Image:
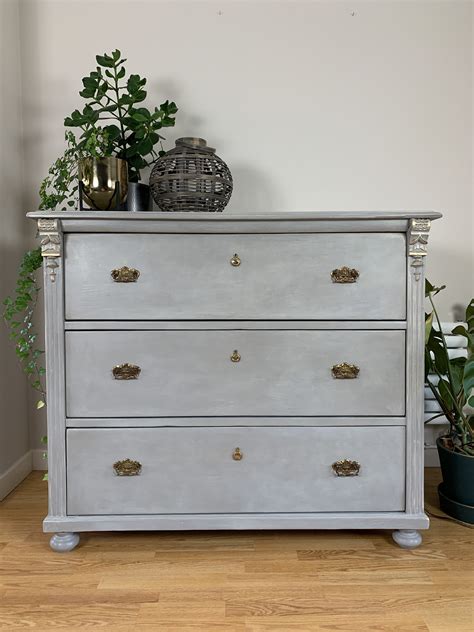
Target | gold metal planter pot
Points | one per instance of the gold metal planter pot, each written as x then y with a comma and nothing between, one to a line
103,182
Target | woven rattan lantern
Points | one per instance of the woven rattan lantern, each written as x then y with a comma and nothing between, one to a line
191,177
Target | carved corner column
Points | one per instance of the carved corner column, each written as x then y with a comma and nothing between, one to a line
418,234
50,234
50,242
417,240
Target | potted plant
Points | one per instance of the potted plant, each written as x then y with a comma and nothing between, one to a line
133,134
59,189
453,388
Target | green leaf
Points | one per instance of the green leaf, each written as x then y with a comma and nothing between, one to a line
446,394
167,121
105,61
134,83
144,111
430,289
428,361
145,146
131,151
140,96
40,404
457,373
439,355
113,131
139,117
468,381
91,82
470,315
461,330
125,99
45,476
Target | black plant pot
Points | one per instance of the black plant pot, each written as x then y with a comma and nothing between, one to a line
456,492
139,198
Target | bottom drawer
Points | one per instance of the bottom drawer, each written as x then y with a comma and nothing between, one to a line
234,470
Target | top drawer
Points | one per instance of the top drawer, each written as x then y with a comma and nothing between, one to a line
273,276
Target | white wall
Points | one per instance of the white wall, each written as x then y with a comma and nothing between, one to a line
14,444
314,105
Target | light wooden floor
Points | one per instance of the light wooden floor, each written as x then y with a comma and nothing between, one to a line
242,581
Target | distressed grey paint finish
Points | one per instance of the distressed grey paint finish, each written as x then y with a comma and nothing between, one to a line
241,325
280,277
191,470
264,223
218,422
171,522
190,373
409,227
416,246
53,284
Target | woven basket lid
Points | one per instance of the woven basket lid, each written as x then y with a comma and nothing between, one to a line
192,142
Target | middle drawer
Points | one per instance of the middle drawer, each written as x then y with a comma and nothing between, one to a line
234,373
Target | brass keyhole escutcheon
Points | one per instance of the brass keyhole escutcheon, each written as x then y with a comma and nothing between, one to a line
127,467
345,371
237,454
345,275
125,275
235,357
346,467
235,261
126,371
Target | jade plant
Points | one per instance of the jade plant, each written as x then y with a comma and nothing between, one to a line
454,384
112,96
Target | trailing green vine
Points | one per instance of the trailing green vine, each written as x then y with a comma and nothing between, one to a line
18,316
59,190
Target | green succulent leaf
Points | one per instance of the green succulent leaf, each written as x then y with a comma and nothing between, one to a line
105,61
139,117
145,146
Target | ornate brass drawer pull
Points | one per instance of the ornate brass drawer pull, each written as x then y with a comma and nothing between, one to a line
346,468
344,275
235,357
126,371
235,261
345,371
237,454
125,275
127,467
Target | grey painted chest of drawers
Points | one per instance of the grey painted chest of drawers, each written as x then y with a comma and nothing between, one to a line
234,371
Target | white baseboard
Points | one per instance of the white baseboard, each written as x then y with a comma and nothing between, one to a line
39,462
15,474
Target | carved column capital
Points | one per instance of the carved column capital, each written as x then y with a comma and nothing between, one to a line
418,233
49,232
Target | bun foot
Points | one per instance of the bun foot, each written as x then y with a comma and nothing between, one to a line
64,542
407,538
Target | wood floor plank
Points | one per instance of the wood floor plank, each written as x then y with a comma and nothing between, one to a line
366,623
285,581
